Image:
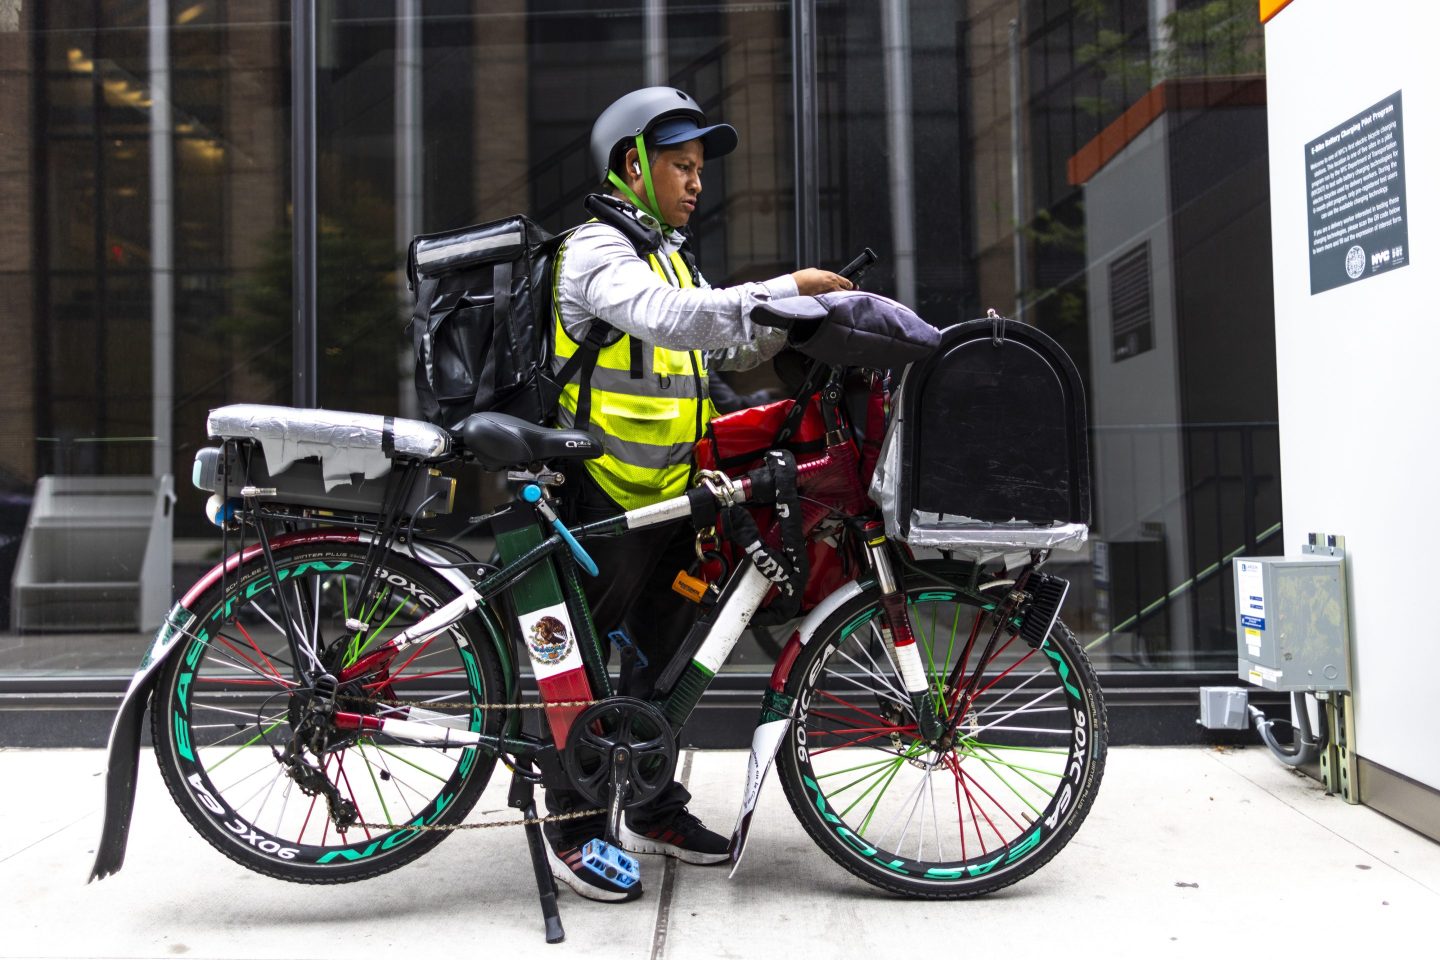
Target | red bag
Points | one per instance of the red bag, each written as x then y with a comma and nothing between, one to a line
738,440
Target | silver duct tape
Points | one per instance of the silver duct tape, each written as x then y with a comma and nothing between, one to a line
346,443
976,540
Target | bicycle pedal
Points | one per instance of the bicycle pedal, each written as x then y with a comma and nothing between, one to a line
1047,594
611,862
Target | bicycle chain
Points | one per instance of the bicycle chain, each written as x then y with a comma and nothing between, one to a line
472,705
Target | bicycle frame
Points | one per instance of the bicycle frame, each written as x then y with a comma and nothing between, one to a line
553,619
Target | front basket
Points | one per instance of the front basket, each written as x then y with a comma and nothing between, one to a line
986,453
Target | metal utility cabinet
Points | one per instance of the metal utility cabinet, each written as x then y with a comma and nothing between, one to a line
1292,622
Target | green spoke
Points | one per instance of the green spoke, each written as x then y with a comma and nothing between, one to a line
375,633
1018,768
370,768
889,764
247,743
1054,751
989,765
381,629
884,785
356,647
929,642
865,824
954,628
411,763
859,766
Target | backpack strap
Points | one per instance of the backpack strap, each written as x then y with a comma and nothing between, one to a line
637,358
419,333
503,279
583,361
581,365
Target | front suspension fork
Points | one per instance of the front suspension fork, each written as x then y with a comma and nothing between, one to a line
899,638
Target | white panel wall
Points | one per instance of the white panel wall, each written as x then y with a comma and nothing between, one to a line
1359,366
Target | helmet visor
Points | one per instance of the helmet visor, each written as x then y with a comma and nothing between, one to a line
718,139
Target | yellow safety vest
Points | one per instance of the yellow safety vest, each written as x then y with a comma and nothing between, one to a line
648,405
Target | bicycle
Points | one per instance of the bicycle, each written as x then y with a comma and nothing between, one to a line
330,700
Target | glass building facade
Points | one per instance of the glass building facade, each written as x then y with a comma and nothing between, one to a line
1094,167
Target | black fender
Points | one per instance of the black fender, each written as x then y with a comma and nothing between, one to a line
124,748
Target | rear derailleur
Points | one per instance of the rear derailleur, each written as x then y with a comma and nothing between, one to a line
313,731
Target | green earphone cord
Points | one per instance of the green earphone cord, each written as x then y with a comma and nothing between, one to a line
653,207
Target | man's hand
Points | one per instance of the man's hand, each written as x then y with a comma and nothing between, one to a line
812,281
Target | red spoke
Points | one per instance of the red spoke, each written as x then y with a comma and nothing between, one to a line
256,647
954,768
422,676
848,743
423,647
884,724
1005,673
997,804
846,703
969,802
303,826
325,834
971,701
241,654
340,769
822,733
965,660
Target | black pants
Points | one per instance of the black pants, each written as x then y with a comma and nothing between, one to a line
633,592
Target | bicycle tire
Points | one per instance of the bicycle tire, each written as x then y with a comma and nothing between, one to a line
222,703
1018,783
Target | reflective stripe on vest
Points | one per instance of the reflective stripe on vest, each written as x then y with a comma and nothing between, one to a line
647,419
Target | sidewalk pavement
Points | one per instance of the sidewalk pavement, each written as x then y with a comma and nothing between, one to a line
1188,852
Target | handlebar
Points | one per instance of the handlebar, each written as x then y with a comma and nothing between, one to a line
747,489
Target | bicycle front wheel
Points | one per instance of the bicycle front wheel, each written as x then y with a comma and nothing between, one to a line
224,706
971,814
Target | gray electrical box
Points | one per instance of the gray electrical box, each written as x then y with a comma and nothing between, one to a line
1292,621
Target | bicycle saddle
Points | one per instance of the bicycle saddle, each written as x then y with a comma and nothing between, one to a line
499,441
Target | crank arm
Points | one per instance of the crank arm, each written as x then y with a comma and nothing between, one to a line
619,790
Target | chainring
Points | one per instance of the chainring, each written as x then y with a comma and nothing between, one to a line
620,722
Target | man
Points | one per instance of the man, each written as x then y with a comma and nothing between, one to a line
647,400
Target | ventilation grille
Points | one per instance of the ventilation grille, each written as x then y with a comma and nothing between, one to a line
1131,319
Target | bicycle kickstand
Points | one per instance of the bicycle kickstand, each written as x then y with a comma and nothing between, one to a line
522,797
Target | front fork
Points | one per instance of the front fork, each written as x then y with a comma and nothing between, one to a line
899,638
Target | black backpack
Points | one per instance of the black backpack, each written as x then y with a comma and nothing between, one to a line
482,325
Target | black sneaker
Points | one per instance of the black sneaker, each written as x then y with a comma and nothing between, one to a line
569,864
684,837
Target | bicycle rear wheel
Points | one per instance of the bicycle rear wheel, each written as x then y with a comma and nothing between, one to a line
223,710
975,814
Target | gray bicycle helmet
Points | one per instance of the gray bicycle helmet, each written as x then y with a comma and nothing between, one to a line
665,116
